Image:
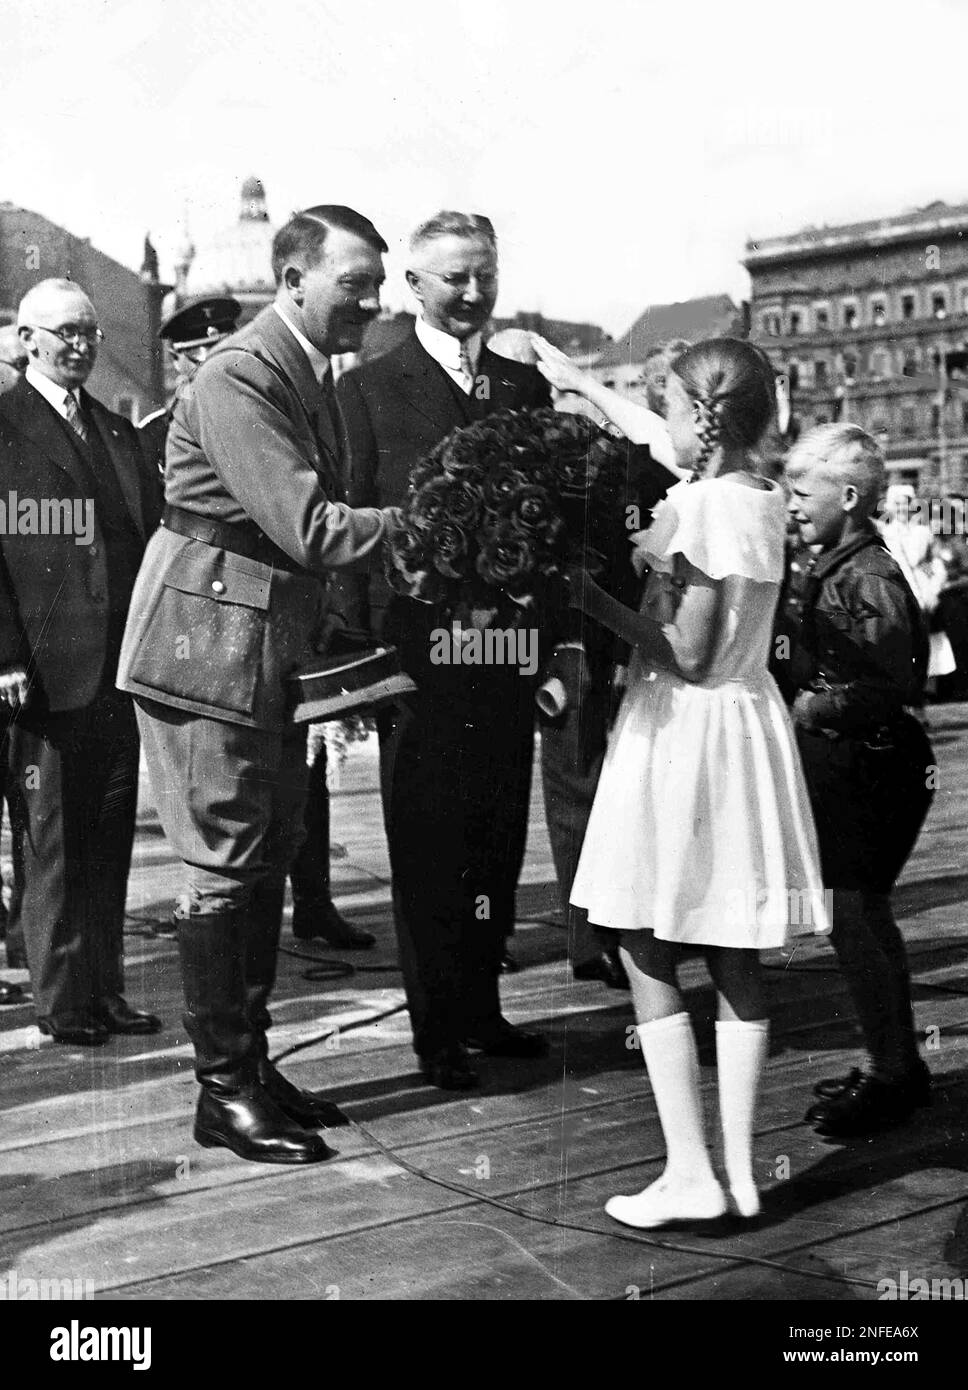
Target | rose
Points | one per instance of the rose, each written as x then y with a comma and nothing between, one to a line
530,509
506,560
466,503
431,505
451,546
503,486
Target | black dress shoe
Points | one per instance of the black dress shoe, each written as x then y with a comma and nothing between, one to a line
606,967
509,965
326,924
82,1030
870,1105
10,994
246,1120
918,1082
117,1016
507,1041
307,1108
832,1086
450,1070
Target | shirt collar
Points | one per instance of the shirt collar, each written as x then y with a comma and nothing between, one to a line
51,392
317,360
445,349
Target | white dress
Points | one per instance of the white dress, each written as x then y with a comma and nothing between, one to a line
701,829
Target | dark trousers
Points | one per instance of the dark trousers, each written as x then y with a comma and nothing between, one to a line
873,958
231,800
869,804
310,871
572,752
456,779
73,791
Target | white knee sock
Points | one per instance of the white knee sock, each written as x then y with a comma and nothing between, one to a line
741,1050
688,1188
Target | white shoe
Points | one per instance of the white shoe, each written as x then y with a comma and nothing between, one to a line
665,1200
745,1198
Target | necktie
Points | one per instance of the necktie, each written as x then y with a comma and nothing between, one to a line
338,427
73,416
466,370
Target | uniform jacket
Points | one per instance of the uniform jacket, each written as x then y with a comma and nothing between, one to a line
397,409
251,441
857,639
54,610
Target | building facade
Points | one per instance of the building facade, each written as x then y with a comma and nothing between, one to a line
129,375
621,364
867,319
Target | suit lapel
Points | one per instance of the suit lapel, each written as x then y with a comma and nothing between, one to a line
503,393
288,355
424,385
39,422
125,467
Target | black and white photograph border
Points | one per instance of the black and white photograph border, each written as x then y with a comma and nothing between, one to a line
208,211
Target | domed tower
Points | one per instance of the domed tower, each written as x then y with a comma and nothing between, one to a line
253,202
238,261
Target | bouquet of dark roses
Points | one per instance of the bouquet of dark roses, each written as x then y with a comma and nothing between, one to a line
506,506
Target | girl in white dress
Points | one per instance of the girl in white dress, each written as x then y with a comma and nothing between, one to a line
701,831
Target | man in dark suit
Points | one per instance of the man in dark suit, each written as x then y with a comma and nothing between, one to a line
456,764
230,601
13,363
589,664
78,504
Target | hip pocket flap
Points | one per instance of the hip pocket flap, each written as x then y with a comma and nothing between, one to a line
224,584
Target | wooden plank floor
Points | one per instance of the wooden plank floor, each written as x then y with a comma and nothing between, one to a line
496,1194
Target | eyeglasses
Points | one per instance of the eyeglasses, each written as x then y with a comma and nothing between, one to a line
458,281
72,335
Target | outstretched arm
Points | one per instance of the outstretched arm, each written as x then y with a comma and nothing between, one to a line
637,422
684,645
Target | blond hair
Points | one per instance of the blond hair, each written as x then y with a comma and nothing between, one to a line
846,452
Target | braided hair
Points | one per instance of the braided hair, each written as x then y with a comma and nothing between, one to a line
733,386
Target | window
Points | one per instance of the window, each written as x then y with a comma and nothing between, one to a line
850,315
850,367
964,417
793,375
795,321
910,367
909,421
820,375
964,299
935,418
908,306
939,304
823,319
880,362
878,313
771,325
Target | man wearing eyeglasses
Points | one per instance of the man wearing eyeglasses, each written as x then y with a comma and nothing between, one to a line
78,503
457,763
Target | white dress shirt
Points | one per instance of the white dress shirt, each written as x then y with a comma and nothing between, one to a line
317,360
447,351
56,395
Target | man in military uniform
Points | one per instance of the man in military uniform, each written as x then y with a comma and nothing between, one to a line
230,601
191,333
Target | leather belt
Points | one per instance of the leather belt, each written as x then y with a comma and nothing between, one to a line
238,537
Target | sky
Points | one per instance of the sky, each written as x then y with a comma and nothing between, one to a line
625,149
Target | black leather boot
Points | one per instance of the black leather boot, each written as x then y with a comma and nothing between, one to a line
234,1110
264,923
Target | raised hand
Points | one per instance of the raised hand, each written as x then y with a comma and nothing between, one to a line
558,369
